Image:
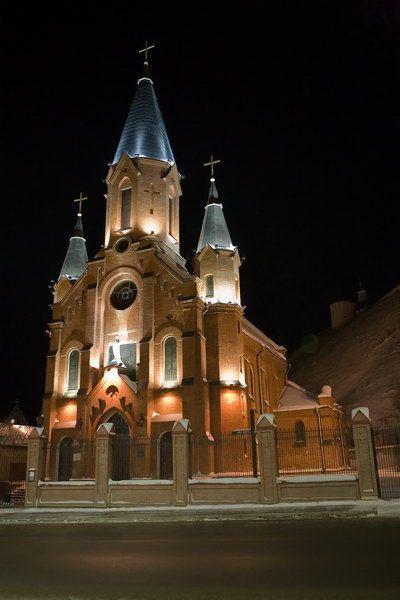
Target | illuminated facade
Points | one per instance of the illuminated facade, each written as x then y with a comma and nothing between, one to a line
134,333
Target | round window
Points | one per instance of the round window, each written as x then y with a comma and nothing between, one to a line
122,245
123,295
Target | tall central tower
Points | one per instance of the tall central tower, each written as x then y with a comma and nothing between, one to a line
143,180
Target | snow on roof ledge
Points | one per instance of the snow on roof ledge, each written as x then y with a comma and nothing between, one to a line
269,417
364,410
326,392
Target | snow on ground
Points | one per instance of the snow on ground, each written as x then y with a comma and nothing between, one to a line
361,361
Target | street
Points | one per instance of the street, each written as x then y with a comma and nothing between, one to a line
297,559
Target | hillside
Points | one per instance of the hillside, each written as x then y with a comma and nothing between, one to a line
361,361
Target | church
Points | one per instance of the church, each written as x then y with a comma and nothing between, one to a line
139,340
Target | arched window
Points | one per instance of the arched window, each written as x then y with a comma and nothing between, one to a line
209,286
249,378
300,433
170,359
126,208
120,425
73,371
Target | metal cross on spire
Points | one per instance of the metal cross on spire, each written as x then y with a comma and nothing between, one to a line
80,200
145,50
211,164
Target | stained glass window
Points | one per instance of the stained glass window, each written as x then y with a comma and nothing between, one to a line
170,359
123,295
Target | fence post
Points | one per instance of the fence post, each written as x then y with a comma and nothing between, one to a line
367,476
35,464
103,463
266,432
180,449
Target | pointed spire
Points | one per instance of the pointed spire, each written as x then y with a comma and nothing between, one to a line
76,257
212,194
214,230
144,133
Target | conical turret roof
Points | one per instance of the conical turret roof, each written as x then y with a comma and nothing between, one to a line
144,133
76,257
214,230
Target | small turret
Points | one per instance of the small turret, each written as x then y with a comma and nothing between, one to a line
76,257
217,260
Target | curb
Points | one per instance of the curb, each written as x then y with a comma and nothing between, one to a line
244,512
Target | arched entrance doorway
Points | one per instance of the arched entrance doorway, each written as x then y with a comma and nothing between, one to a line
65,459
121,448
165,454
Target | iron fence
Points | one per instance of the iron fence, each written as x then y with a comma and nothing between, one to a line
227,455
141,457
387,454
316,452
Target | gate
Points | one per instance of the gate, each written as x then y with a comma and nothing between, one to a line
121,457
65,459
166,466
387,454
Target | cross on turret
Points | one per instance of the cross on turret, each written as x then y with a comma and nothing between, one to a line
80,200
145,50
211,164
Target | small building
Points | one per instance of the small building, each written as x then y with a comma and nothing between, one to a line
14,434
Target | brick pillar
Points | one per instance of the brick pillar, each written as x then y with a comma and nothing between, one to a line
35,464
266,433
367,476
103,462
180,447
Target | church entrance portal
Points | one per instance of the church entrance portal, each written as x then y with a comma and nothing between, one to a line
121,449
65,459
166,469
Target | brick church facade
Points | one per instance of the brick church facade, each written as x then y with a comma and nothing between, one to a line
139,340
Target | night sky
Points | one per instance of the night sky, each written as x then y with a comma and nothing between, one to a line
301,103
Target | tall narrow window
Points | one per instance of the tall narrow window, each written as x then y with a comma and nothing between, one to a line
171,216
265,384
73,371
250,378
237,289
300,433
209,286
126,208
170,359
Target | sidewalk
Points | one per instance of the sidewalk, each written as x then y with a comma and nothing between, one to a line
237,512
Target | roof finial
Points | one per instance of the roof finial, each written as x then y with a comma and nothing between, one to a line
80,200
145,50
213,194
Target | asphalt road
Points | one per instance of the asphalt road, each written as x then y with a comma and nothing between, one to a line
312,559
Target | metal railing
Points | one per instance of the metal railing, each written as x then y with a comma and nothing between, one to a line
226,455
387,455
316,452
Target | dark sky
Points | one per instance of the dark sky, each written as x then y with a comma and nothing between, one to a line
301,103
